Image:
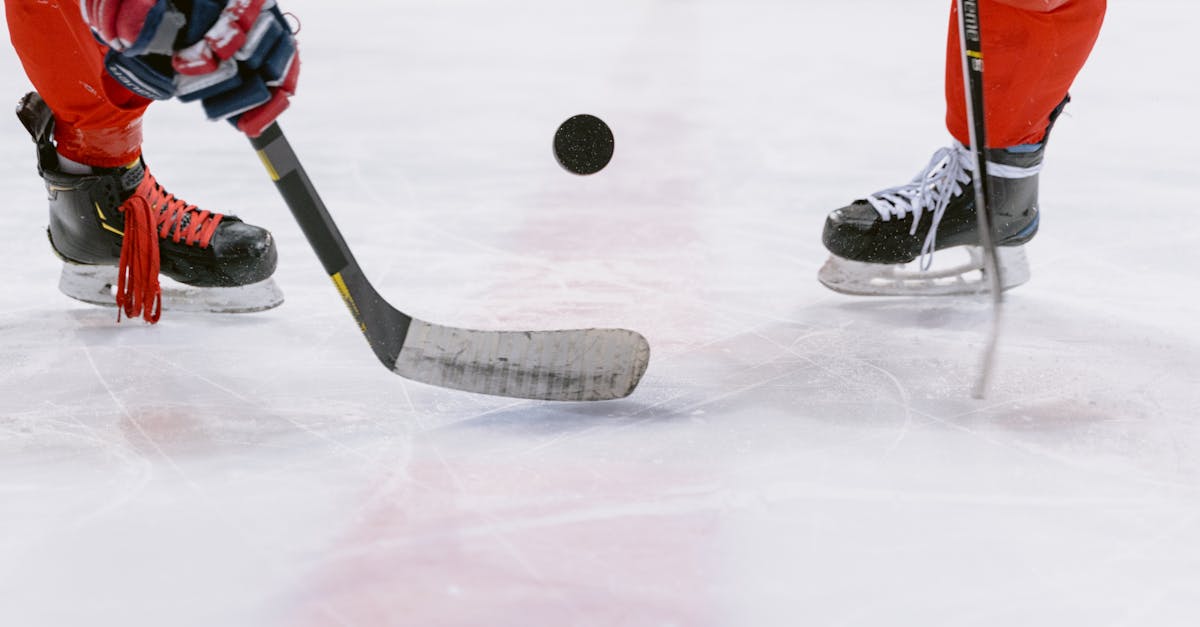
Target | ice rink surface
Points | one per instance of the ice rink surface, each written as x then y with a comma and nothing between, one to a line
793,456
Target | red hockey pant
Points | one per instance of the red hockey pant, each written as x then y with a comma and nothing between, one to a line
98,121
1033,49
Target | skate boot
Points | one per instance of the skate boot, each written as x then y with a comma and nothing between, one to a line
117,229
873,240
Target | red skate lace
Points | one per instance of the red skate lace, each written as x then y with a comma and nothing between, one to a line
138,290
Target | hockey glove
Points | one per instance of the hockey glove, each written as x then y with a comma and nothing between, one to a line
238,57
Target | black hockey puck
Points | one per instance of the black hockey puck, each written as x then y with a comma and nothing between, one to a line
583,144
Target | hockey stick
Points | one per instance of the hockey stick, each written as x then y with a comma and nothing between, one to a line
571,365
970,39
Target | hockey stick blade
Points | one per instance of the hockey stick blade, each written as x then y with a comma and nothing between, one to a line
567,365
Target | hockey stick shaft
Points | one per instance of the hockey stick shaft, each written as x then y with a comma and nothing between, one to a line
388,329
971,42
301,197
566,365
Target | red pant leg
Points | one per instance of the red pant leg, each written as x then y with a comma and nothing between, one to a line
97,121
1033,49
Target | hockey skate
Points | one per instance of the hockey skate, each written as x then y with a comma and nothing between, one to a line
884,245
117,229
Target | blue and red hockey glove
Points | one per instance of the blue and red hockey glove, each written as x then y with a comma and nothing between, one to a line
238,57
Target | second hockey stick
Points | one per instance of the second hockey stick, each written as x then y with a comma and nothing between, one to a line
569,365
969,36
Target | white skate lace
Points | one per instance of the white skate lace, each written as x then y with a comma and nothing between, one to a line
948,171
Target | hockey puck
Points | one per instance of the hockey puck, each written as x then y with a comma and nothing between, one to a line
583,144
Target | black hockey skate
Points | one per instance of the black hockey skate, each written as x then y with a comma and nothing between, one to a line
117,229
872,239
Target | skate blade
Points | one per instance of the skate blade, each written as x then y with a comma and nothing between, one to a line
967,277
96,285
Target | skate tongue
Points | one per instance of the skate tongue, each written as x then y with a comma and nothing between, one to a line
138,291
132,175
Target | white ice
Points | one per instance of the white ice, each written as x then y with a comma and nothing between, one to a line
793,456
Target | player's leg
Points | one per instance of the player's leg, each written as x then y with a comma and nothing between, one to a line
89,133
1033,51
98,121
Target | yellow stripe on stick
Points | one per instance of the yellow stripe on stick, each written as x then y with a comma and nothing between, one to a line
340,283
262,154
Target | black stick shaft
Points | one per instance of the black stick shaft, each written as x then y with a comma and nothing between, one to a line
301,197
971,41
384,326
972,44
